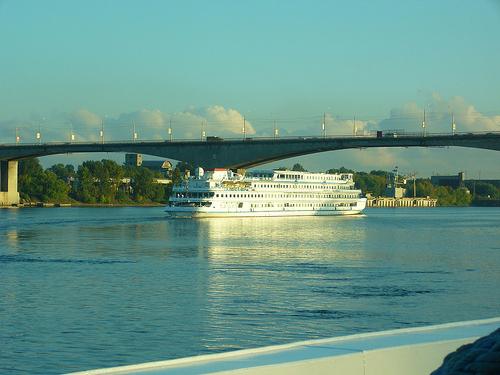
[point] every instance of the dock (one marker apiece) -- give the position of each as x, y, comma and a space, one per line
400, 202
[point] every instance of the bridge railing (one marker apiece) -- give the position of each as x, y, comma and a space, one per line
366, 135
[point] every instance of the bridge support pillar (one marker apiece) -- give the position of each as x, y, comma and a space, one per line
8, 183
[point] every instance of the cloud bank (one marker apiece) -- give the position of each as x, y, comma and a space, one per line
217, 120
439, 112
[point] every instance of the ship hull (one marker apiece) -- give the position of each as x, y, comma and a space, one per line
204, 212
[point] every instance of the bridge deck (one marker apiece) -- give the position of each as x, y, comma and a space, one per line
249, 152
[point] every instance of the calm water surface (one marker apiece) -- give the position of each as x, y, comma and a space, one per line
84, 288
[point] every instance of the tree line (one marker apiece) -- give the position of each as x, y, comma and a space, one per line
375, 182
93, 182
107, 182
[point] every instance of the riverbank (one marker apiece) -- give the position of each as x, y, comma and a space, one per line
80, 204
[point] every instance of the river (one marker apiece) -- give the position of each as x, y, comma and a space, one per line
84, 288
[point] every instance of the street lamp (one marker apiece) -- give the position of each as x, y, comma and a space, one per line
170, 130
71, 134
202, 130
276, 133
423, 125
134, 133
323, 125
18, 138
453, 125
38, 135
101, 132
244, 128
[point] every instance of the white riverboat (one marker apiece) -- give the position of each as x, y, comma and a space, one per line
221, 193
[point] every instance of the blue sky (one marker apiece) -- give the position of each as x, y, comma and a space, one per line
147, 62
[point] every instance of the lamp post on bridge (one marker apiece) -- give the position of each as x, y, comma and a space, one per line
71, 134
202, 130
134, 133
101, 132
275, 130
170, 130
323, 125
18, 138
244, 128
38, 135
423, 126
453, 125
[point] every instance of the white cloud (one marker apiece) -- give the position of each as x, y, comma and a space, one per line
228, 120
439, 116
154, 124
85, 118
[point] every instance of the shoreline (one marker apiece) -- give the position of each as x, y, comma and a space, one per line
79, 204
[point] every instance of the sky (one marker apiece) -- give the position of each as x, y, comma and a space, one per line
66, 67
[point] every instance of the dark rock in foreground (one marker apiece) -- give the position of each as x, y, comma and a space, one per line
481, 357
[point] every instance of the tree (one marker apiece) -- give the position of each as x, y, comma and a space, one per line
86, 190
339, 170
486, 190
29, 172
462, 197
369, 183
35, 184
144, 188
424, 188
298, 168
63, 172
98, 181
53, 189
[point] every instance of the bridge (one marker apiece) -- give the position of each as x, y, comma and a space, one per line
231, 153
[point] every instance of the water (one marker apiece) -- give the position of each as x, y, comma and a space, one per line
85, 288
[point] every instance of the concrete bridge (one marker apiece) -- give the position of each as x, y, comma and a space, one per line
231, 153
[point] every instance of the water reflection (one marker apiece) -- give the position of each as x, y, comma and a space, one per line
12, 237
276, 239
267, 270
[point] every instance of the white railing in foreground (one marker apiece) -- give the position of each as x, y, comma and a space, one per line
409, 351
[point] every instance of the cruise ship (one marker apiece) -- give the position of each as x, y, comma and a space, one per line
223, 193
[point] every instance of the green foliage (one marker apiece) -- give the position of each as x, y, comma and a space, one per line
94, 182
143, 187
98, 181
424, 188
380, 173
63, 172
179, 172
445, 195
339, 170
462, 197
183, 167
298, 168
35, 184
370, 183
486, 190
